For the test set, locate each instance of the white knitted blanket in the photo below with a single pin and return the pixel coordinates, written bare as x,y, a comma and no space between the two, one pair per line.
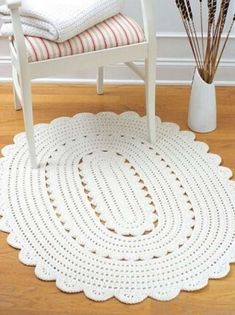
59,20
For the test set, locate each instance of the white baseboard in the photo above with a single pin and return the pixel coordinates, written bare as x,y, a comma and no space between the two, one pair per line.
168,71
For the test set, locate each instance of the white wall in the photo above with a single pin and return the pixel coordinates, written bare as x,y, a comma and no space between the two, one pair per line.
174,58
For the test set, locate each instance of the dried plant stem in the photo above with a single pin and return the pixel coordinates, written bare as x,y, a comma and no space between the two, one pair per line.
196,46
202,31
197,43
192,45
190,39
223,48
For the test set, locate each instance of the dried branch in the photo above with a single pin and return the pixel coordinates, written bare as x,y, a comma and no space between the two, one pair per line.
207,57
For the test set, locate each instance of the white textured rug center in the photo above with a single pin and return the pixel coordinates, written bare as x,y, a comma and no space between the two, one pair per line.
111,215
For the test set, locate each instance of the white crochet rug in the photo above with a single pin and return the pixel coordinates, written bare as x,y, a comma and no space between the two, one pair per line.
113,216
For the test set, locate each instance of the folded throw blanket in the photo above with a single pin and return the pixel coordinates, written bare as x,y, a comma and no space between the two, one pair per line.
59,20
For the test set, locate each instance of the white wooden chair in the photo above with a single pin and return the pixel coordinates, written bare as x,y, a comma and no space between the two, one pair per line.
24,70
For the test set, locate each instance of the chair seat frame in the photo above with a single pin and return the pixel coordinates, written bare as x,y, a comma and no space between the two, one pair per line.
24,72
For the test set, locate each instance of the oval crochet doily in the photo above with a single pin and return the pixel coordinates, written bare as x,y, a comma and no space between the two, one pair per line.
109,214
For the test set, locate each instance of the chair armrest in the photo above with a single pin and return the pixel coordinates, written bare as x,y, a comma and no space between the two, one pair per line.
13,4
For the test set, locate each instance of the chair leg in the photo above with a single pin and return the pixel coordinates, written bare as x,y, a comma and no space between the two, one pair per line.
17,103
16,100
151,97
100,81
28,119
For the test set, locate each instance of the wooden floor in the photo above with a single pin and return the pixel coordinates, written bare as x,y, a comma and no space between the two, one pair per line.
20,291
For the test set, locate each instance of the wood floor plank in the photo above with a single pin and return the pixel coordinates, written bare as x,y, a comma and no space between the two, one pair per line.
20,291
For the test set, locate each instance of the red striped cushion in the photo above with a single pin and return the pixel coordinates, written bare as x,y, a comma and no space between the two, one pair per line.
119,30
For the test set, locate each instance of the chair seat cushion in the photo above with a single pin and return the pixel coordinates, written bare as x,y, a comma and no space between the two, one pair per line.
119,30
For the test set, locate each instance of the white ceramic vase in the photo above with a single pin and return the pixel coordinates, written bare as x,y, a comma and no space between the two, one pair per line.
202,115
